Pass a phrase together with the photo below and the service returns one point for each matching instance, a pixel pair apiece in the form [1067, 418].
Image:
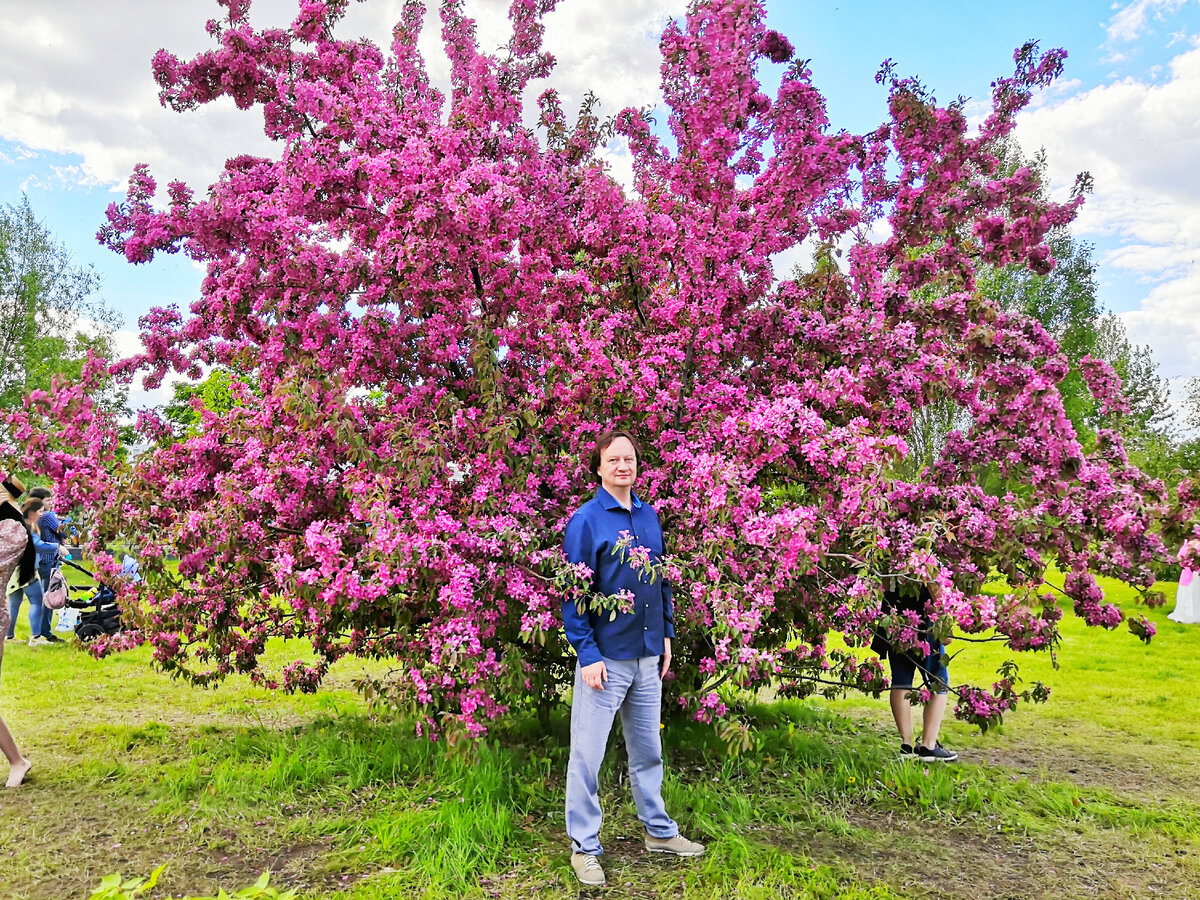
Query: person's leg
[935, 709]
[902, 713]
[18, 765]
[592, 714]
[14, 607]
[37, 612]
[47, 613]
[641, 719]
[937, 680]
[903, 669]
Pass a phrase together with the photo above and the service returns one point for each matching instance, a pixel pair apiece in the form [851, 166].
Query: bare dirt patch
[924, 859]
[1115, 769]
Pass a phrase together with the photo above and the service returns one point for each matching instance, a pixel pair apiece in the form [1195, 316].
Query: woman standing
[1187, 595]
[47, 553]
[16, 553]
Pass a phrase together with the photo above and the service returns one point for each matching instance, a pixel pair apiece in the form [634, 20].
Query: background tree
[50, 316]
[1066, 303]
[189, 400]
[1192, 403]
[440, 307]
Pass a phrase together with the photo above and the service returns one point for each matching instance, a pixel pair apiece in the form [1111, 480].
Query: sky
[79, 109]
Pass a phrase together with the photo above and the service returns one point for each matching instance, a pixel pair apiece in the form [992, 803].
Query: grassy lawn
[1092, 795]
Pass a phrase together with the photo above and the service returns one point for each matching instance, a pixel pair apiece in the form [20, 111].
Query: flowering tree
[433, 306]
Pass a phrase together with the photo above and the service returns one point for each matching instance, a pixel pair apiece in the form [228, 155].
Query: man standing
[622, 658]
[904, 666]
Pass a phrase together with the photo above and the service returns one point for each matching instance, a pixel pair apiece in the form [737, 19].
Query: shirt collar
[608, 501]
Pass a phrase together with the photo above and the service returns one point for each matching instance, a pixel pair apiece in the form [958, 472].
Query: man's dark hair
[41, 492]
[605, 441]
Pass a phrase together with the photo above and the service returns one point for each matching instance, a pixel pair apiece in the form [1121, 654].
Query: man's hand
[595, 675]
[666, 657]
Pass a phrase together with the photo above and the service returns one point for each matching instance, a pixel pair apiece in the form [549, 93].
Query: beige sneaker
[678, 845]
[587, 869]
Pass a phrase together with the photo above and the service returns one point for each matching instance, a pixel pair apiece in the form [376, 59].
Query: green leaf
[153, 879]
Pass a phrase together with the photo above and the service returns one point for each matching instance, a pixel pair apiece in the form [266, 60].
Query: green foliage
[1149, 415]
[113, 888]
[49, 315]
[215, 394]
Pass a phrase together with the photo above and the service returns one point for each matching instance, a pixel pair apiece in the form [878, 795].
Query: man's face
[618, 464]
[48, 502]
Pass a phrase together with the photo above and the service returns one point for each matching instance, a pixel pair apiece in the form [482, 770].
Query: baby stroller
[98, 613]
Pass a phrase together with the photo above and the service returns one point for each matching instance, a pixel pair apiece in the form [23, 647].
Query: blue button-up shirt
[590, 537]
[50, 526]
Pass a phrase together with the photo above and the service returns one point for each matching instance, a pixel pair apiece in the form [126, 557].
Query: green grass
[1089, 795]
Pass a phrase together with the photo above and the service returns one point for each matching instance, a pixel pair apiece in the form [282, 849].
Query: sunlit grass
[133, 770]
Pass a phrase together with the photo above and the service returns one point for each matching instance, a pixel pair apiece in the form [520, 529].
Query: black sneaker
[52, 639]
[907, 751]
[937, 754]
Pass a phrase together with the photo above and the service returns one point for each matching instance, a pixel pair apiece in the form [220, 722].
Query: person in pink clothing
[16, 551]
[1187, 595]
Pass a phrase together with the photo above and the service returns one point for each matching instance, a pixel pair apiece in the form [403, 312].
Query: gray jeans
[634, 688]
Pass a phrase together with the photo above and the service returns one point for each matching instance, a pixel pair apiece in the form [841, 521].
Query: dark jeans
[39, 617]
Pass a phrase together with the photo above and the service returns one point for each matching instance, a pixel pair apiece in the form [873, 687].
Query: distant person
[39, 616]
[622, 659]
[1187, 595]
[51, 529]
[17, 554]
[904, 666]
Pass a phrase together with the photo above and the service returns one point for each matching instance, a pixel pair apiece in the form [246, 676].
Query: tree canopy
[442, 299]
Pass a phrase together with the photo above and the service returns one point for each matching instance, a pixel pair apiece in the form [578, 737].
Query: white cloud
[1169, 321]
[126, 343]
[95, 97]
[1141, 143]
[1129, 21]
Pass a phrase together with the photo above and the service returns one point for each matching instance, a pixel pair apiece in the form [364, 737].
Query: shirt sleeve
[668, 600]
[49, 522]
[579, 546]
[668, 597]
[41, 544]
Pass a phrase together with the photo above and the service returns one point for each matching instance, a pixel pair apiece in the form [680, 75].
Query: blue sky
[71, 131]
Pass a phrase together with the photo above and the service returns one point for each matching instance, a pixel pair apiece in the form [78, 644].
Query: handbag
[56, 593]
